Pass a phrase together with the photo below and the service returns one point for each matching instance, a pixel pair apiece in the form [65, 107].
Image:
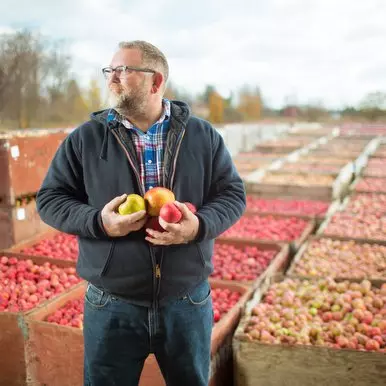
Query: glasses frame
[125, 70]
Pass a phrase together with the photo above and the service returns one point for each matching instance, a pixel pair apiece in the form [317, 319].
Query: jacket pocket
[108, 259]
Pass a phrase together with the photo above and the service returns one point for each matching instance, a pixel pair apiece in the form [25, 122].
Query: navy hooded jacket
[97, 162]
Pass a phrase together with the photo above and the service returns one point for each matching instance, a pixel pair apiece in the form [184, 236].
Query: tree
[216, 107]
[250, 103]
[94, 100]
[373, 106]
[75, 104]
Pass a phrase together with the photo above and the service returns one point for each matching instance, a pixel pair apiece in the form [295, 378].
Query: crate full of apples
[370, 185]
[55, 339]
[51, 244]
[306, 332]
[312, 209]
[274, 228]
[247, 263]
[327, 257]
[25, 285]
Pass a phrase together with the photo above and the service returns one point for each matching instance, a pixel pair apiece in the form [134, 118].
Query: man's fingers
[138, 224]
[169, 226]
[183, 209]
[115, 202]
[133, 217]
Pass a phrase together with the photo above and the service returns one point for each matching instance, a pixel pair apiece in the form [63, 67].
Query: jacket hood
[179, 111]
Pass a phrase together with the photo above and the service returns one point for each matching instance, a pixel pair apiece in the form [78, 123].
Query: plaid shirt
[149, 146]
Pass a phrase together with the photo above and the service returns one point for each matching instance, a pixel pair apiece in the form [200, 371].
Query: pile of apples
[380, 152]
[363, 204]
[335, 258]
[321, 313]
[62, 246]
[376, 167]
[292, 207]
[71, 313]
[372, 185]
[298, 179]
[267, 228]
[350, 225]
[240, 263]
[157, 202]
[24, 284]
[223, 300]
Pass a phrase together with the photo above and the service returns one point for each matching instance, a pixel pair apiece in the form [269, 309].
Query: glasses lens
[107, 72]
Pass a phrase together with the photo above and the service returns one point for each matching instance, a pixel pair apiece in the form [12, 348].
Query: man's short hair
[151, 56]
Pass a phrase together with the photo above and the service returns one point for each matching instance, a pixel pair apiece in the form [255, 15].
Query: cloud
[322, 49]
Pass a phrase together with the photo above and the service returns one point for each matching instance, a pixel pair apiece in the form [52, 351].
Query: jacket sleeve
[62, 200]
[226, 202]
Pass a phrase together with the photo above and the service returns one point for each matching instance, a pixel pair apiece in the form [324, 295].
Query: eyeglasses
[122, 71]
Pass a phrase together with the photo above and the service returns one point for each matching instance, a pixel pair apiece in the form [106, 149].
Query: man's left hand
[181, 233]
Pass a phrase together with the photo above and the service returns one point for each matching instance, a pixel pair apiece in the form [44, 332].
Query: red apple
[156, 198]
[191, 207]
[170, 213]
[154, 224]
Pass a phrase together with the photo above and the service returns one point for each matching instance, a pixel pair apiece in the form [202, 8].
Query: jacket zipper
[156, 267]
[131, 163]
[175, 159]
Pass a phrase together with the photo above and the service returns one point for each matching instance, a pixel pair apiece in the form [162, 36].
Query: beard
[128, 103]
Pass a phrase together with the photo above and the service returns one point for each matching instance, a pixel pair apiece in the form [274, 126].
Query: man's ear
[157, 82]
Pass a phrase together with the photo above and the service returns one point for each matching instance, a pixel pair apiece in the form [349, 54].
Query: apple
[156, 198]
[191, 207]
[170, 213]
[153, 223]
[134, 203]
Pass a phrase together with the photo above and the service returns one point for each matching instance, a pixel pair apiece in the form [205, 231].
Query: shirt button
[150, 161]
[146, 137]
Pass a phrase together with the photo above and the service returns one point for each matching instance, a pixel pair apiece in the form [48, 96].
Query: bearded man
[148, 291]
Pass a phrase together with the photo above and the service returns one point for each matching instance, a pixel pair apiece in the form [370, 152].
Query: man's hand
[181, 233]
[116, 225]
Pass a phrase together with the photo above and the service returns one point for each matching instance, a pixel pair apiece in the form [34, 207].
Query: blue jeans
[118, 337]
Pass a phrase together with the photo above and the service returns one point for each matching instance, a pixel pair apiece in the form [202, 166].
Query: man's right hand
[117, 225]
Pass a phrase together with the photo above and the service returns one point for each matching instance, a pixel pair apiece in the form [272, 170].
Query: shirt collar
[114, 115]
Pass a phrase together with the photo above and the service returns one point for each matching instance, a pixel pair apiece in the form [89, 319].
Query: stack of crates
[24, 160]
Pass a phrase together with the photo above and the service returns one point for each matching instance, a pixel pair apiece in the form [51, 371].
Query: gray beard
[128, 105]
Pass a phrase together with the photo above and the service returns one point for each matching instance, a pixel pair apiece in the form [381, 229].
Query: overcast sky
[327, 50]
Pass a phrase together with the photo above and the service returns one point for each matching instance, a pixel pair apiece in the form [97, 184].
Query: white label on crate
[15, 151]
[20, 214]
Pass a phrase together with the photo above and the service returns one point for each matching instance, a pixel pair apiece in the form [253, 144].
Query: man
[148, 291]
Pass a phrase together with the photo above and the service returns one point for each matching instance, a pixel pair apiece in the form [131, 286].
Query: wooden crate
[304, 248]
[266, 190]
[353, 187]
[13, 333]
[51, 349]
[48, 234]
[26, 153]
[259, 364]
[19, 223]
[294, 244]
[278, 263]
[319, 218]
[324, 225]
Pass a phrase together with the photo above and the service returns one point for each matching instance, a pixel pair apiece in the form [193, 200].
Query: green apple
[134, 203]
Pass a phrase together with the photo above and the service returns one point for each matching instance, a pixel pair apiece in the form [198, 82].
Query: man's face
[130, 91]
